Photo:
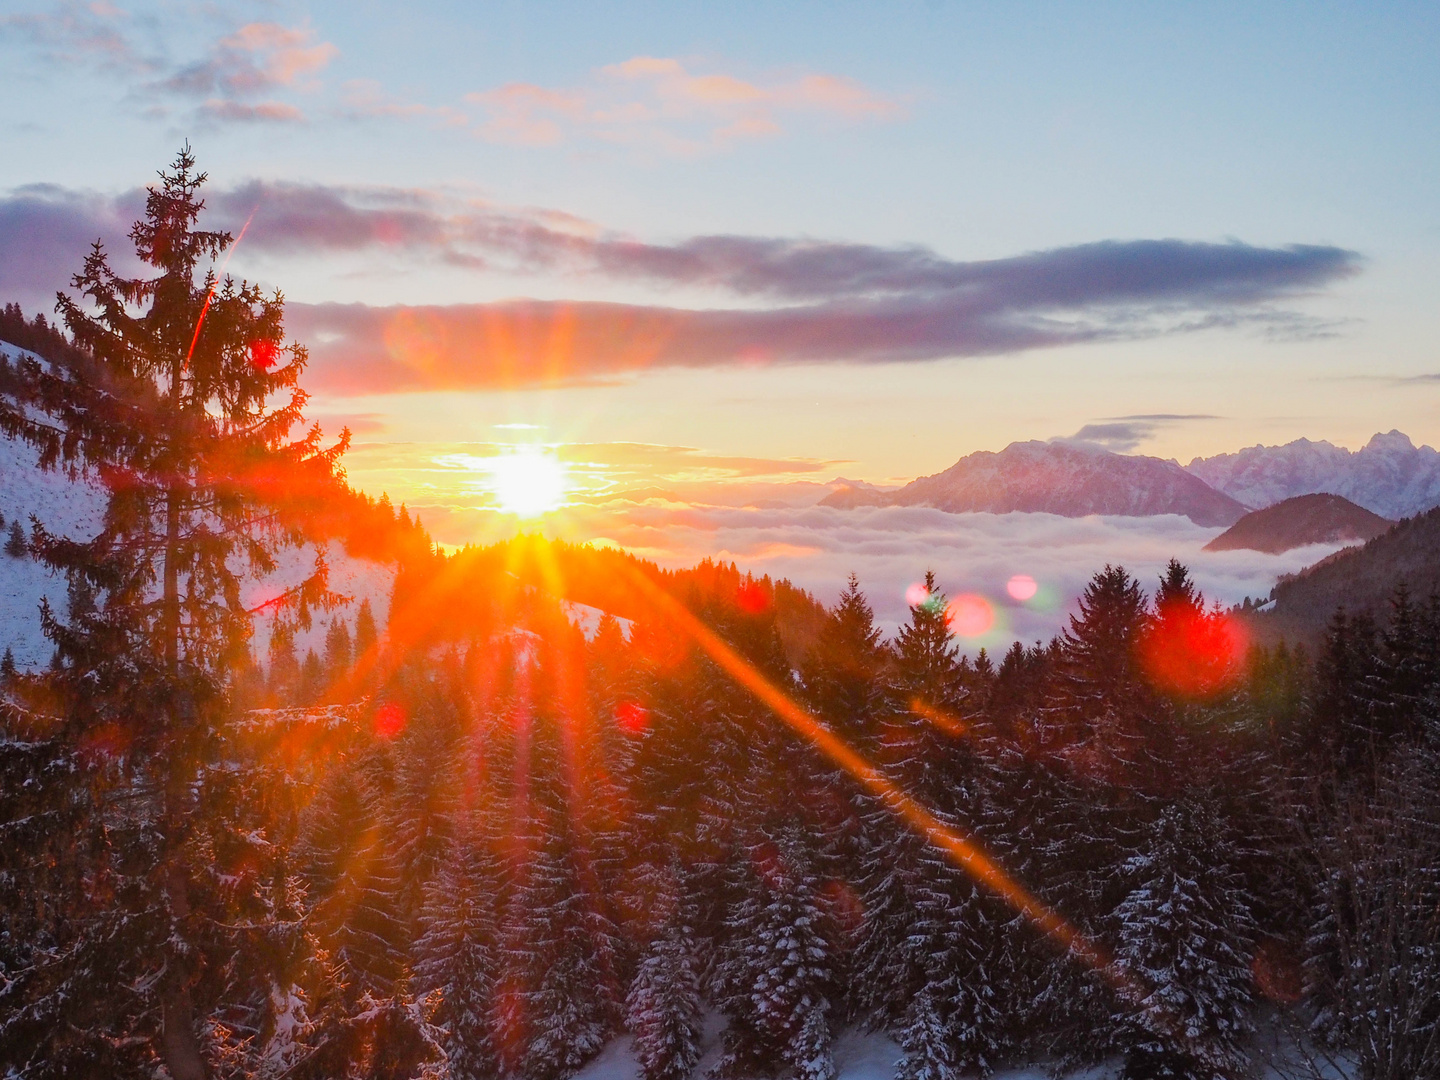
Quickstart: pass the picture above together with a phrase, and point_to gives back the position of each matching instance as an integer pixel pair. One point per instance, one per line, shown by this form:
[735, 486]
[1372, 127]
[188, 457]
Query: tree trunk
[179, 1045]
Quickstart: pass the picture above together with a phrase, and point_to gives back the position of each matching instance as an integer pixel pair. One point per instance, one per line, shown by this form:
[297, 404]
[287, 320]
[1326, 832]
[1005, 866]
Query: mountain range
[1068, 479]
[1389, 477]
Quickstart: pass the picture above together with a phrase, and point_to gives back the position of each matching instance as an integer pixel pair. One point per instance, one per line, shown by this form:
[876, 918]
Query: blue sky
[976, 132]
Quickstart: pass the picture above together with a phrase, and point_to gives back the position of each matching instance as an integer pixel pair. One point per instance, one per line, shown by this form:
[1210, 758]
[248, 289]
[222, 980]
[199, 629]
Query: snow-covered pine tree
[457, 952]
[927, 682]
[1099, 702]
[663, 1006]
[842, 674]
[776, 975]
[559, 946]
[338, 649]
[16, 546]
[1184, 933]
[166, 400]
[357, 877]
[365, 633]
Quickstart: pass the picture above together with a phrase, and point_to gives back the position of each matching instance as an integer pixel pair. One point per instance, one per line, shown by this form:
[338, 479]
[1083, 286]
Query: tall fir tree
[166, 399]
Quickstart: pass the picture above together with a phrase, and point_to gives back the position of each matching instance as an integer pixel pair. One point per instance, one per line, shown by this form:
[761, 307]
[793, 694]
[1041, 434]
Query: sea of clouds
[891, 548]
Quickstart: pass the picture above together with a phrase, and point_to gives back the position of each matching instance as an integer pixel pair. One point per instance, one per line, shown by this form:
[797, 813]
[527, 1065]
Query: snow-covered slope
[76, 508]
[1389, 476]
[1067, 479]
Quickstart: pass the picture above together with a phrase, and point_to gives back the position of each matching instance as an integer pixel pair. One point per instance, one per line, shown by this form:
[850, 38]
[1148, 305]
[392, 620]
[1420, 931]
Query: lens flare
[528, 482]
[917, 594]
[389, 720]
[1022, 587]
[970, 615]
[632, 717]
[1194, 654]
[751, 597]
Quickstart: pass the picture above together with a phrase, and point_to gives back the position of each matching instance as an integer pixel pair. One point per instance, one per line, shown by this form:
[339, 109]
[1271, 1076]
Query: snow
[587, 619]
[859, 1055]
[872, 1055]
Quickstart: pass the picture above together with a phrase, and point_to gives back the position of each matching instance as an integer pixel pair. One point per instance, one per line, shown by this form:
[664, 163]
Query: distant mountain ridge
[1067, 479]
[1389, 476]
[1305, 519]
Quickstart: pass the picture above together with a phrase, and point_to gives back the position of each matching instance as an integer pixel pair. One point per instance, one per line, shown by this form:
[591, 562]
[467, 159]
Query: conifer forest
[469, 840]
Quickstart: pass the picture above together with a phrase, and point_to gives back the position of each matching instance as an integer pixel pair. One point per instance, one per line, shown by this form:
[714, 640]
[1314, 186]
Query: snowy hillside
[1389, 475]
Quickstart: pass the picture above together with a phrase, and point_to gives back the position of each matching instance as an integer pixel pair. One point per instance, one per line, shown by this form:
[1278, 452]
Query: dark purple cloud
[828, 301]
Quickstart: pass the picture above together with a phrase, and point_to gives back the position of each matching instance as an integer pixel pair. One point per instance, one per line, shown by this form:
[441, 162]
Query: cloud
[256, 59]
[366, 99]
[1121, 434]
[235, 79]
[81, 33]
[45, 232]
[1096, 292]
[264, 112]
[661, 103]
[597, 473]
[807, 301]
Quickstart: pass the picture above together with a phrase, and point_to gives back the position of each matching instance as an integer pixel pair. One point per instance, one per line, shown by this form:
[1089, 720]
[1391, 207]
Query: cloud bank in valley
[890, 548]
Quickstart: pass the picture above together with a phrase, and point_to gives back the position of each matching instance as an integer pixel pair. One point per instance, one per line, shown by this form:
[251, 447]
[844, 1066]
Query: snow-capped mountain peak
[1389, 475]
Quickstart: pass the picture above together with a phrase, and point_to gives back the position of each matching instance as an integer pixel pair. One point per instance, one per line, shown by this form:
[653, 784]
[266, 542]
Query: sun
[528, 482]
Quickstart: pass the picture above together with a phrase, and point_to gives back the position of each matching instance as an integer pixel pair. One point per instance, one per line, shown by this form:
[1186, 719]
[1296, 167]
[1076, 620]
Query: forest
[474, 843]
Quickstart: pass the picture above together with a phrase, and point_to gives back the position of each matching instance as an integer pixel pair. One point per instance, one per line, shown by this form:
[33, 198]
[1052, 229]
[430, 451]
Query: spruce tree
[777, 972]
[337, 649]
[457, 953]
[16, 546]
[365, 634]
[843, 672]
[166, 399]
[663, 1006]
[1185, 931]
[1099, 701]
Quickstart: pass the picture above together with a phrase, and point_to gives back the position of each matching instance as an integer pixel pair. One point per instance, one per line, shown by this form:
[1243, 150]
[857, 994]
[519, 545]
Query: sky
[727, 251]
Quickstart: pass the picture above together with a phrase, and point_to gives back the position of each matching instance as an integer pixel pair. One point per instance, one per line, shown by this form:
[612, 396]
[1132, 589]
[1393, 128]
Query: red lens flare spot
[1021, 587]
[263, 354]
[389, 720]
[1276, 973]
[106, 741]
[752, 598]
[970, 615]
[1194, 654]
[917, 594]
[844, 905]
[632, 717]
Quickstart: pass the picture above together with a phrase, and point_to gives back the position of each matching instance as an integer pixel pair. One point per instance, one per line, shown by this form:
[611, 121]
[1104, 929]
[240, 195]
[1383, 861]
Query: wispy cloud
[236, 78]
[665, 104]
[82, 33]
[1121, 434]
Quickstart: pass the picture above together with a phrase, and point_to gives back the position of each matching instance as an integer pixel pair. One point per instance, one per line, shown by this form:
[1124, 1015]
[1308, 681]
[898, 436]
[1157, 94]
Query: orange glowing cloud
[658, 102]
